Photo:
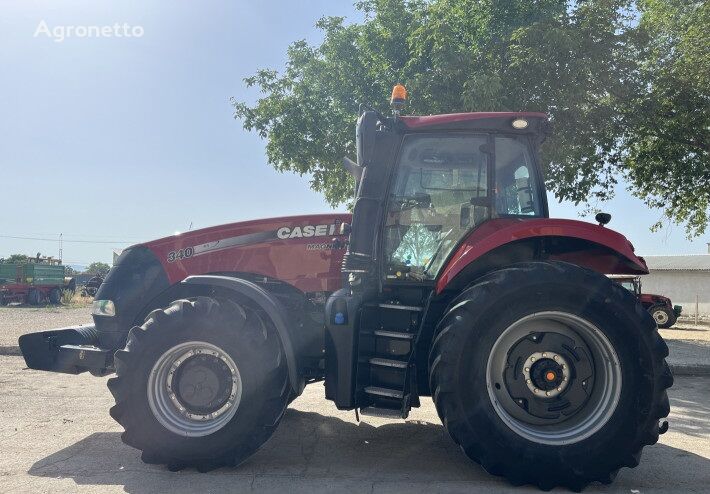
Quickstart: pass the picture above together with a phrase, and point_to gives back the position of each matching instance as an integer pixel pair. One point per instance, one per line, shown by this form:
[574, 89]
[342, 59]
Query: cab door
[441, 190]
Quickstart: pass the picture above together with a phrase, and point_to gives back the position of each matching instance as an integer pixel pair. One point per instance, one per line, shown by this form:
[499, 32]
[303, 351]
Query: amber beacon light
[399, 98]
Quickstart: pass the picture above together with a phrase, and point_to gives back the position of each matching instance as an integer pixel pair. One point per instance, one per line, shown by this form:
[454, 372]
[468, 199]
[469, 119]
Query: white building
[682, 279]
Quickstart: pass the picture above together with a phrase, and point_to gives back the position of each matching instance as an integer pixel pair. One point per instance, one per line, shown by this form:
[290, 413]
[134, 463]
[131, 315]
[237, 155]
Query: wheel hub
[194, 389]
[660, 316]
[201, 382]
[546, 374]
[553, 377]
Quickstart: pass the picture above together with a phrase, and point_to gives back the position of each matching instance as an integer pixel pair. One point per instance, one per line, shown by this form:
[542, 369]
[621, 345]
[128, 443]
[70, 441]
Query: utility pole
[60, 247]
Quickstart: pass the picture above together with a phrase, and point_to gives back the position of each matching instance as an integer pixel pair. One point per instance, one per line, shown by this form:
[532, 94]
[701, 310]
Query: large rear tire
[202, 383]
[550, 374]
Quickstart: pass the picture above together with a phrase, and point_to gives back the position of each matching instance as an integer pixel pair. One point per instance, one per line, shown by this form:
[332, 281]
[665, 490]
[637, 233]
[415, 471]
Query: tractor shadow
[311, 452]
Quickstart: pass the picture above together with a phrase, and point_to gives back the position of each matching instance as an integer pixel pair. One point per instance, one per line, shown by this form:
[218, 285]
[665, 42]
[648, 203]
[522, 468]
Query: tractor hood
[653, 299]
[304, 251]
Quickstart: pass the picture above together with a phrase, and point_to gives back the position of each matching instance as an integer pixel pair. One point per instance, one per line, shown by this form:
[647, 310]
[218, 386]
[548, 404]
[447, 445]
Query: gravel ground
[56, 436]
[16, 321]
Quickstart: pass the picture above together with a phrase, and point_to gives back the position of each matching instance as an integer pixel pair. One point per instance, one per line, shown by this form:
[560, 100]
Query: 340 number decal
[176, 255]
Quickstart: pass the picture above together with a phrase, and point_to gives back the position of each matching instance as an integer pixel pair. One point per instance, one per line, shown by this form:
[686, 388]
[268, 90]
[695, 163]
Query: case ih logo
[305, 231]
[283, 233]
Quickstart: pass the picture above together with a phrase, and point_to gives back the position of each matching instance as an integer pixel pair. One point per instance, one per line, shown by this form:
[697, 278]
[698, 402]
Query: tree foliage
[15, 258]
[100, 268]
[626, 85]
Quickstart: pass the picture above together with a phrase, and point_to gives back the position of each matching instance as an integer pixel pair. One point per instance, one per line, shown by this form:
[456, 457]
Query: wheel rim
[553, 378]
[660, 316]
[194, 389]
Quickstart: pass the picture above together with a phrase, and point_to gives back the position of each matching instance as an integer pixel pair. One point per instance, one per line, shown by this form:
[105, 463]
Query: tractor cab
[423, 185]
[427, 182]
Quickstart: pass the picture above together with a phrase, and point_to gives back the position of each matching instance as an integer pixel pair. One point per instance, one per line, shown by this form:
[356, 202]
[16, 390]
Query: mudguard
[606, 251]
[268, 304]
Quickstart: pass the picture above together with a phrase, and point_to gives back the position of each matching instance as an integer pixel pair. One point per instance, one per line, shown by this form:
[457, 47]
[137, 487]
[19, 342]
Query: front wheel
[664, 316]
[202, 383]
[550, 374]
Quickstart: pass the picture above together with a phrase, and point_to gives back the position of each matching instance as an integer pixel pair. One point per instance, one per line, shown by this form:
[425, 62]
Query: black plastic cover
[135, 280]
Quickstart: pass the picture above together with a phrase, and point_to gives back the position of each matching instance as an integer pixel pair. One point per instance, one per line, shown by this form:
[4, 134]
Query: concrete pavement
[56, 435]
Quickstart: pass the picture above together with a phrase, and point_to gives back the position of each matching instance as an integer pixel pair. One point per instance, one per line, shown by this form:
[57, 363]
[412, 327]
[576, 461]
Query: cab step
[385, 392]
[410, 308]
[385, 362]
[387, 413]
[397, 335]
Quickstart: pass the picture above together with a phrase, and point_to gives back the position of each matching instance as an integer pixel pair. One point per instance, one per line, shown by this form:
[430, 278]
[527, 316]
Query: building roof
[678, 263]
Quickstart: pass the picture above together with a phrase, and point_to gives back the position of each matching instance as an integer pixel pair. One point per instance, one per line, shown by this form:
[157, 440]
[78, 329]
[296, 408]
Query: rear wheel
[34, 297]
[55, 296]
[548, 373]
[202, 383]
[664, 316]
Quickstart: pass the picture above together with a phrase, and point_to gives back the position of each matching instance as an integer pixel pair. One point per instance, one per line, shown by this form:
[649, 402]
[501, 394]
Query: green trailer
[31, 282]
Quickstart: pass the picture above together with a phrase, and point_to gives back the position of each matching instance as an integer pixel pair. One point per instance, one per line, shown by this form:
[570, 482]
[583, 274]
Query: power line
[76, 235]
[72, 241]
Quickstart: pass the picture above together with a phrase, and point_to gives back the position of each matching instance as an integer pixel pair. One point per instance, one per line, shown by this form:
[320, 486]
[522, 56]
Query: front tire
[202, 383]
[550, 374]
[664, 317]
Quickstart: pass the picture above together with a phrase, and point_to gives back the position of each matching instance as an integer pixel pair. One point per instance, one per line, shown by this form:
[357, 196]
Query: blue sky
[126, 139]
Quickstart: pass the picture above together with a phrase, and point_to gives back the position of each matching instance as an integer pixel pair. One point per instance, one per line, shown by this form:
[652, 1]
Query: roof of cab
[452, 119]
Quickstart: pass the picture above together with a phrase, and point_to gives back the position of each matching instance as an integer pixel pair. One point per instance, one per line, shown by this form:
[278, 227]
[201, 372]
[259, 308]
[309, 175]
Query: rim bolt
[544, 354]
[528, 381]
[532, 359]
[527, 369]
[564, 378]
[536, 390]
[559, 389]
[547, 393]
[556, 357]
[584, 383]
[564, 366]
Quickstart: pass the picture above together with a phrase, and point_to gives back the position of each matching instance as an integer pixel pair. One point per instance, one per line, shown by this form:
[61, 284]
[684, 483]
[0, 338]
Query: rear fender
[268, 304]
[503, 241]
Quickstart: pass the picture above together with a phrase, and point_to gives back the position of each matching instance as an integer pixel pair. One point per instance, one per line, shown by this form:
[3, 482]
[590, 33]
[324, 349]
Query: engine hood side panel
[298, 250]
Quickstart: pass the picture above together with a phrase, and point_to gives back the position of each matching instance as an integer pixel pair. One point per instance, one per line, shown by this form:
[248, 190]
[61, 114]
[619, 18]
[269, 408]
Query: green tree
[15, 258]
[625, 84]
[100, 268]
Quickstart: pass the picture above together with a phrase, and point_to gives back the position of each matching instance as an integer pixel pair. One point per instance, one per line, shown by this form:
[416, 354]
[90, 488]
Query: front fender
[585, 244]
[267, 303]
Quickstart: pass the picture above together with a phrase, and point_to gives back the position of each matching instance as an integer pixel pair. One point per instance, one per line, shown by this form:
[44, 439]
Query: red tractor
[448, 280]
[661, 308]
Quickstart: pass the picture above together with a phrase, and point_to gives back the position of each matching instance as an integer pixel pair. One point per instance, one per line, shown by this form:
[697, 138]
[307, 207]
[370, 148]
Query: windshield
[442, 190]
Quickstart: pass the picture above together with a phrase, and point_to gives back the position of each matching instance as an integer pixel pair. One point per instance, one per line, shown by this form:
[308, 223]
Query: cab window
[440, 192]
[516, 181]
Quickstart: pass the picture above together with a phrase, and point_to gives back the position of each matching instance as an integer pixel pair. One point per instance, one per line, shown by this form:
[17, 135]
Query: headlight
[103, 308]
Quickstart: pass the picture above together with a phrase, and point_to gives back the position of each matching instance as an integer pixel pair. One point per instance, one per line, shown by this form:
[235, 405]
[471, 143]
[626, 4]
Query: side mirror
[345, 228]
[365, 137]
